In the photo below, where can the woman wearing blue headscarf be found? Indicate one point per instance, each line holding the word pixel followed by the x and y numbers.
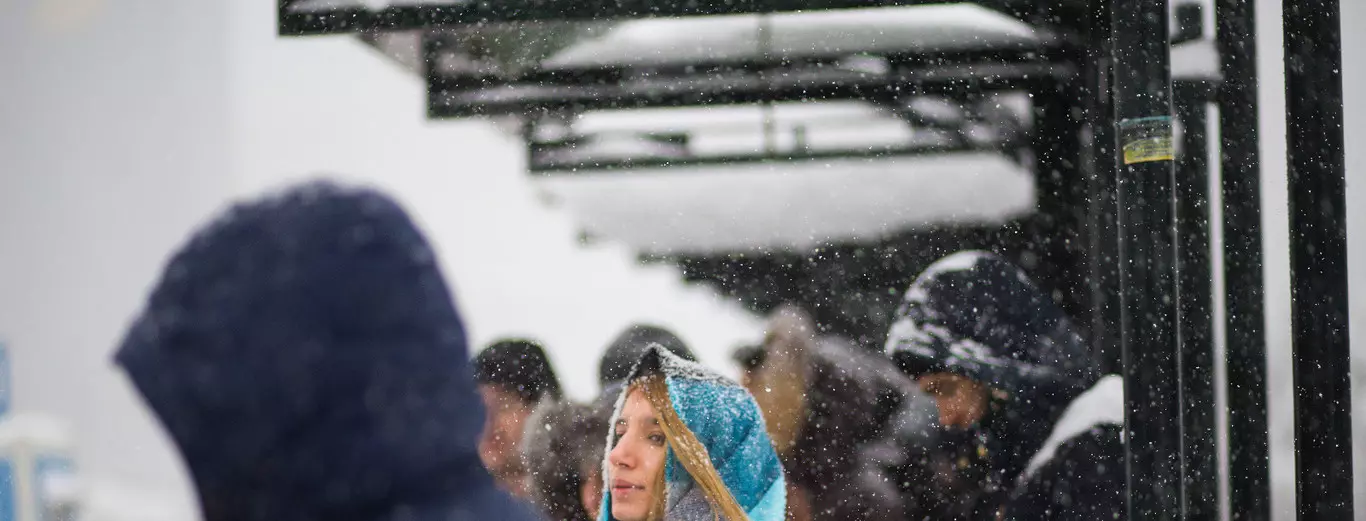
pixel 689 445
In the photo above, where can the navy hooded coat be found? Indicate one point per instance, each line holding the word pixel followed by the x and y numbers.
pixel 306 357
pixel 1052 438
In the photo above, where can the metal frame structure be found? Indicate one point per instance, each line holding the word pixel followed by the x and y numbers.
pixel 1318 259
pixel 1244 300
pixel 1114 203
pixel 300 18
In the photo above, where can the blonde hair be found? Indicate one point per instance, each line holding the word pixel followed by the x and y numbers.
pixel 690 453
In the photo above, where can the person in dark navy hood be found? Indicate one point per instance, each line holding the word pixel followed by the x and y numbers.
pixel 1000 357
pixel 305 356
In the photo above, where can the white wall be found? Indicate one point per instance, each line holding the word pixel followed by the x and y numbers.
pixel 125 125
pixel 115 141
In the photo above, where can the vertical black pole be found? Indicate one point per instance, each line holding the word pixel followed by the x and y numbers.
pixel 1101 236
pixel 1147 257
pixel 1199 454
pixel 1244 303
pixel 1318 259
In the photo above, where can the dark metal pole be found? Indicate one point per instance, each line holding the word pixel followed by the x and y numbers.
pixel 1147 258
pixel 1199 454
pixel 1318 259
pixel 1244 302
pixel 1101 236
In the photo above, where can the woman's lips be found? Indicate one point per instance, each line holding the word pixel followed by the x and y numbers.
pixel 621 486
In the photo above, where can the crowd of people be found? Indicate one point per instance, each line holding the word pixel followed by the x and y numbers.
pixel 305 355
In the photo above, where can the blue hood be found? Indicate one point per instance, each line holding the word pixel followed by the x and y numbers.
pixel 305 355
pixel 726 419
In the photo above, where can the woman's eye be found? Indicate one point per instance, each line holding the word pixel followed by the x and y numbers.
pixel 658 439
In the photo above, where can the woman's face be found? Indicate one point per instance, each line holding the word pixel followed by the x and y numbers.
pixel 637 459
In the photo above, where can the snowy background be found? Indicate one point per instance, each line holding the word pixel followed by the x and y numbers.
pixel 124 124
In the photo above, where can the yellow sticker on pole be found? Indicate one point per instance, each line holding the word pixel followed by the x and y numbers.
pixel 1147 139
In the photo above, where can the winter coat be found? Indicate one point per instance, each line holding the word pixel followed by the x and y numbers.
pixel 304 354
pixel 1078 475
pixel 726 420
pixel 976 315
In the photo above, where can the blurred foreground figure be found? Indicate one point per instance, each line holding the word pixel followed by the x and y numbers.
pixel 1000 357
pixel 858 440
pixel 304 354
pixel 513 376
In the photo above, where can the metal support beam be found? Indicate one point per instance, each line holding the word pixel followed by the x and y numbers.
pixel 1199 453
pixel 1244 302
pixel 1147 258
pixel 302 18
pixel 1099 158
pixel 623 87
pixel 1318 262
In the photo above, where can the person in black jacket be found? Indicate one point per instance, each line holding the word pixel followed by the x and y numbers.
pixel 304 355
pixel 1002 360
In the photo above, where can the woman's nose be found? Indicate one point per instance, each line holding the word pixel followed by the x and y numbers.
pixel 621 455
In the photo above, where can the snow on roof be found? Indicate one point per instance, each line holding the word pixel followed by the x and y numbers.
pixel 679 119
pixel 739 129
pixel 672 40
pixel 791 205
pixel 314 6
pixel 653 42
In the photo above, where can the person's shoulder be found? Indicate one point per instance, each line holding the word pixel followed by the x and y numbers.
pixel 1093 418
pixel 1083 479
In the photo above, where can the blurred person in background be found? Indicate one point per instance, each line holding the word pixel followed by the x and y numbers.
pixel 562 450
pixel 625 350
pixel 513 376
pixel 1002 359
pixel 857 437
pixel 304 355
